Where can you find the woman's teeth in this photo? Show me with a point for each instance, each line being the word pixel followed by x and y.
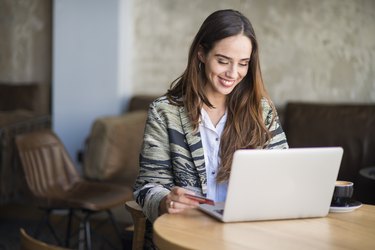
pixel 226 82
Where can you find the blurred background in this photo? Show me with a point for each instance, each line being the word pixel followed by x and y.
pixel 89 57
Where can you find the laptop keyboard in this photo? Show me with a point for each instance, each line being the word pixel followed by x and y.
pixel 220 211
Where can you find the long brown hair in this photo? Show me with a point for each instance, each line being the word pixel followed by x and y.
pixel 244 127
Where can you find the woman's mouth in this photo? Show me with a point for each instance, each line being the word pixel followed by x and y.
pixel 227 83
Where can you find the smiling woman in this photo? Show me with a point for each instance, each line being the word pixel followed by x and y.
pixel 217 106
pixel 225 66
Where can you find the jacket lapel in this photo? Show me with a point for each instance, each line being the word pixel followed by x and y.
pixel 194 142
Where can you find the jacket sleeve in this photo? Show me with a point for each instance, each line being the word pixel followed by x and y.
pixel 271 119
pixel 155 177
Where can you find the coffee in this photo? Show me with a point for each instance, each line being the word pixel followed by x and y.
pixel 342 194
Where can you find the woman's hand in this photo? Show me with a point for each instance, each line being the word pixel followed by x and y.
pixel 176 201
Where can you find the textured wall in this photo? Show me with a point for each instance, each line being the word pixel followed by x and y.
pixel 311 50
pixel 25 45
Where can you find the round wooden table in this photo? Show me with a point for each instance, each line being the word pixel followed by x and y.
pixel 196 230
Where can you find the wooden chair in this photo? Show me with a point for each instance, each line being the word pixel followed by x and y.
pixel 139 220
pixel 30 243
pixel 55 183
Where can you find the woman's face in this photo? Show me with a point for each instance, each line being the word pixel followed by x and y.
pixel 226 64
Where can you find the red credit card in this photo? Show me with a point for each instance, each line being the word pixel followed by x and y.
pixel 200 199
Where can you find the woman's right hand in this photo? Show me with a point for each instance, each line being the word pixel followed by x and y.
pixel 177 202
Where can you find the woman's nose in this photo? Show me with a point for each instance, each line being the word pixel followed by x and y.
pixel 231 72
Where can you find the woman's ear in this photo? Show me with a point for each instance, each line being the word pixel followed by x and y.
pixel 201 54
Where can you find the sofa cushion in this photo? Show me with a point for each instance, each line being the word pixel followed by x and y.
pixel 15 116
pixel 18 96
pixel 113 148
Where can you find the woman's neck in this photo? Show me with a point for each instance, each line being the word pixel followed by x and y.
pixel 217 111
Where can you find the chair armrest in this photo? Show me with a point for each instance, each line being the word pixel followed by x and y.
pixel 139 220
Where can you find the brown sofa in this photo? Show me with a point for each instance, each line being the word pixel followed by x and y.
pixel 351 126
pixel 113 148
pixel 19 113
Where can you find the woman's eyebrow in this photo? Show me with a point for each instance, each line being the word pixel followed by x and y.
pixel 228 58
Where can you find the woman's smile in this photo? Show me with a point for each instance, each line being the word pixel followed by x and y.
pixel 226 83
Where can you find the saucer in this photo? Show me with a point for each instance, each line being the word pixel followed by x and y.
pixel 353 205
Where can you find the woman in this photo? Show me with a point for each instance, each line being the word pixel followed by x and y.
pixel 218 105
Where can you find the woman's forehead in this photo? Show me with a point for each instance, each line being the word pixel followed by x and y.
pixel 235 47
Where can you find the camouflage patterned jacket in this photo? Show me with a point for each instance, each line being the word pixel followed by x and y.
pixel 172 154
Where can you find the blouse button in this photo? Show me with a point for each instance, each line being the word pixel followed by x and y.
pixel 217 139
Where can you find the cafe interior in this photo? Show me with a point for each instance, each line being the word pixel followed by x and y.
pixel 77 78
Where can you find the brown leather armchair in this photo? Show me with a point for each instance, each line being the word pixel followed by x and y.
pixel 55 184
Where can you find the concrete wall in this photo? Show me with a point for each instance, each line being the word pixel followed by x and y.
pixel 311 50
pixel 25 46
pixel 104 51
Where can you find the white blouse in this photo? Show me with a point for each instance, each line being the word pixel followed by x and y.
pixel 211 136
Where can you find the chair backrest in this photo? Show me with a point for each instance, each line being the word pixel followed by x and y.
pixel 47 166
pixel 30 243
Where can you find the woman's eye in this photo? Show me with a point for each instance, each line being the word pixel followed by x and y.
pixel 244 64
pixel 223 62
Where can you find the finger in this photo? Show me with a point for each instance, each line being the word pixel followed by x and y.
pixel 175 210
pixel 177 207
pixel 181 191
pixel 182 205
pixel 178 194
pixel 188 201
pixel 172 208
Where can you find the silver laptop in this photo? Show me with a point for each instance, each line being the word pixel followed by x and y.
pixel 279 184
